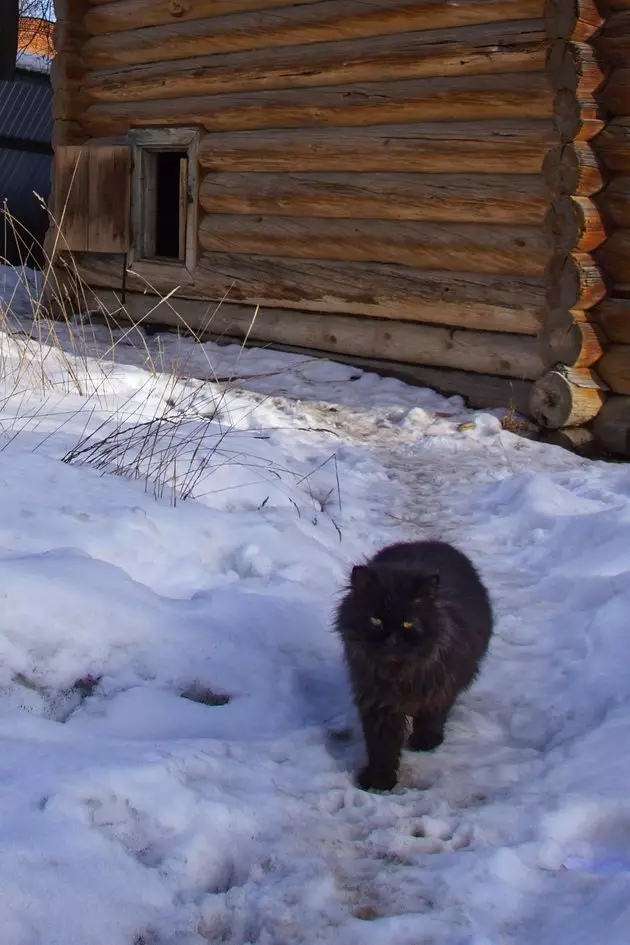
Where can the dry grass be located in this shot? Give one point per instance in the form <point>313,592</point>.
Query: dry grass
<point>174,432</point>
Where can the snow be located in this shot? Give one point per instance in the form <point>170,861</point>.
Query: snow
<point>134,812</point>
<point>32,62</point>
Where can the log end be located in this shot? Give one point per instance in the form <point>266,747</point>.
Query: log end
<point>575,343</point>
<point>566,398</point>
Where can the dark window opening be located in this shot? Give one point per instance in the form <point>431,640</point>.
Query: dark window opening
<point>171,204</point>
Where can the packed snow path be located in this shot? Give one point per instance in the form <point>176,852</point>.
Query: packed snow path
<point>134,816</point>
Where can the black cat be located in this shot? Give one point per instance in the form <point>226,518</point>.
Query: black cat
<point>415,624</point>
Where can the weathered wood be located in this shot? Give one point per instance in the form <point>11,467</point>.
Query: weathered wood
<point>146,142</point>
<point>68,35</point>
<point>67,133</point>
<point>613,145</point>
<point>475,98</point>
<point>449,247</point>
<point>574,281</point>
<point>612,425</point>
<point>87,218</point>
<point>613,317</point>
<point>579,344</point>
<point>69,105</point>
<point>327,21</point>
<point>479,390</point>
<point>71,197</point>
<point>574,224</point>
<point>577,119</point>
<point>566,397</point>
<point>66,71</point>
<point>108,199</point>
<point>482,352</point>
<point>462,198</point>
<point>614,368</point>
<point>615,96</point>
<point>110,17</point>
<point>457,299</point>
<point>575,439</point>
<point>614,202</point>
<point>614,255</point>
<point>576,20</point>
<point>575,67</point>
<point>612,43</point>
<point>517,47</point>
<point>440,147</point>
<point>573,168</point>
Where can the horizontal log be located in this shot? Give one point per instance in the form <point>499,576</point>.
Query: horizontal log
<point>613,145</point>
<point>614,368</point>
<point>516,47</point>
<point>573,168</point>
<point>482,352</point>
<point>110,17</point>
<point>579,344</point>
<point>574,281</point>
<point>566,397</point>
<point>488,303</point>
<point>575,67</point>
<point>475,98</point>
<point>459,198</point>
<point>614,255</point>
<point>613,317</point>
<point>612,426</point>
<point>434,148</point>
<point>327,21</point>
<point>615,96</point>
<point>577,119</point>
<point>612,43</point>
<point>574,224</point>
<point>113,16</point>
<point>576,20</point>
<point>496,250</point>
<point>479,390</point>
<point>614,202</point>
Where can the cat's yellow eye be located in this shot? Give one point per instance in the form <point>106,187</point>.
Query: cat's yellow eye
<point>376,621</point>
<point>407,624</point>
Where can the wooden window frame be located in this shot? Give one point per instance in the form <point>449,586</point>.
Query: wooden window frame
<point>144,142</point>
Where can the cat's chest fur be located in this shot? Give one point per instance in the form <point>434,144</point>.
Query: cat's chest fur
<point>396,679</point>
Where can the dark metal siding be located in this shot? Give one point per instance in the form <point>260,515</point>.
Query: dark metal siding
<point>25,164</point>
<point>26,108</point>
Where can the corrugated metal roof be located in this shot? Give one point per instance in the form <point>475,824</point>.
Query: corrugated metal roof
<point>26,108</point>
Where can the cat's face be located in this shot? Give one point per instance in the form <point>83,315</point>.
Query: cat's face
<point>394,606</point>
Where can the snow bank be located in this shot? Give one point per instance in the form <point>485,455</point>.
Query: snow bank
<point>177,738</point>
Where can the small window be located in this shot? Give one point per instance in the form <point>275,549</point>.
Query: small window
<point>164,196</point>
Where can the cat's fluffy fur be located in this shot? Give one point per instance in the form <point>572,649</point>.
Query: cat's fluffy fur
<point>415,623</point>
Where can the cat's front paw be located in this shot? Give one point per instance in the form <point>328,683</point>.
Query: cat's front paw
<point>370,780</point>
<point>425,740</point>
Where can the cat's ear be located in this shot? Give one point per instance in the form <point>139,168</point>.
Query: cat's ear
<point>362,577</point>
<point>428,587</point>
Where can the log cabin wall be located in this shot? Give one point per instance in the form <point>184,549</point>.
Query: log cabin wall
<point>585,339</point>
<point>612,315</point>
<point>370,170</point>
